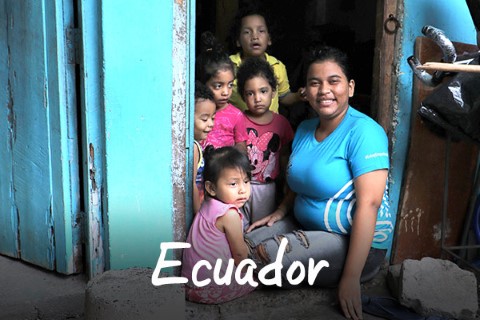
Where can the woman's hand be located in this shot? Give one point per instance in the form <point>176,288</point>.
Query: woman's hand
<point>349,297</point>
<point>268,220</point>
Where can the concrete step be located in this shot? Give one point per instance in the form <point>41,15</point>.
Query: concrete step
<point>129,294</point>
<point>31,293</point>
<point>272,303</point>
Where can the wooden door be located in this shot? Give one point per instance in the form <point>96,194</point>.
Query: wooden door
<point>384,74</point>
<point>421,205</point>
<point>39,180</point>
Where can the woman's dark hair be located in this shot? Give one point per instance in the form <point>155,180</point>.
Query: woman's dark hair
<point>324,53</point>
<point>212,58</point>
<point>255,67</point>
<point>219,159</point>
<point>202,92</point>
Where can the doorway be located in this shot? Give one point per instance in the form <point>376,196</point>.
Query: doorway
<point>295,27</point>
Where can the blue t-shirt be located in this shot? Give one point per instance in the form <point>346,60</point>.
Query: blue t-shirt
<point>322,174</point>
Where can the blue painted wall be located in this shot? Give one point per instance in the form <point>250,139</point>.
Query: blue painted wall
<point>137,84</point>
<point>453,17</point>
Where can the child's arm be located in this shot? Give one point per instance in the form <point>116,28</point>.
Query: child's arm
<point>240,133</point>
<point>242,146</point>
<point>293,97</point>
<point>231,224</point>
<point>196,195</point>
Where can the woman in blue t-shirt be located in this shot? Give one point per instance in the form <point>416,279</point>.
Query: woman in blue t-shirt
<point>337,175</point>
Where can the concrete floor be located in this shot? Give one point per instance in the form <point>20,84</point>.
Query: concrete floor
<point>31,293</point>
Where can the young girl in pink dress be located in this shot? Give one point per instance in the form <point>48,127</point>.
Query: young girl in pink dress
<point>217,231</point>
<point>215,69</point>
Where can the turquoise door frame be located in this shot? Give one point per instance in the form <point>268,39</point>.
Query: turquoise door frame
<point>92,135</point>
<point>136,82</point>
<point>39,168</point>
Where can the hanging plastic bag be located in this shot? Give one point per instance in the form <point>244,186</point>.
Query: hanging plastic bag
<point>457,102</point>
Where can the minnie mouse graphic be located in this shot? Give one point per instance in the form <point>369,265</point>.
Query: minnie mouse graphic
<point>262,154</point>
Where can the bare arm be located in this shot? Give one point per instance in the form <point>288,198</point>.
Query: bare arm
<point>196,195</point>
<point>231,224</point>
<point>293,97</point>
<point>242,146</point>
<point>278,214</point>
<point>369,189</point>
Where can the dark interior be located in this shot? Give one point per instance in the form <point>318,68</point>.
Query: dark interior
<point>296,26</point>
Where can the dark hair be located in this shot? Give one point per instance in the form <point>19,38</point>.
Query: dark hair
<point>202,92</point>
<point>251,9</point>
<point>212,58</point>
<point>324,53</point>
<point>219,159</point>
<point>255,67</point>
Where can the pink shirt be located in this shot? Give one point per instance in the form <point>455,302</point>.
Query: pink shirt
<point>264,145</point>
<point>228,128</point>
<point>208,243</point>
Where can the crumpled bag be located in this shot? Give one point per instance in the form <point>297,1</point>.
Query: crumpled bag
<point>456,102</point>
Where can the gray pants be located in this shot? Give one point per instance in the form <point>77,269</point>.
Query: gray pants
<point>261,203</point>
<point>303,245</point>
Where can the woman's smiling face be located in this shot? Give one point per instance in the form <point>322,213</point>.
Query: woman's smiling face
<point>328,89</point>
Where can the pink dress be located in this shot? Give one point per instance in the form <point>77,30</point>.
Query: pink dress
<point>209,243</point>
<point>228,128</point>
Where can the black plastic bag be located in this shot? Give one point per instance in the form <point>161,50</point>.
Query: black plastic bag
<point>457,102</point>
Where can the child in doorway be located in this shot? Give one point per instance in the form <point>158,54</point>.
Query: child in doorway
<point>214,68</point>
<point>269,136</point>
<point>203,124</point>
<point>250,33</point>
<point>216,232</point>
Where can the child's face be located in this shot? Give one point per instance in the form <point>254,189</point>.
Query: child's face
<point>258,95</point>
<point>254,37</point>
<point>232,187</point>
<point>203,119</point>
<point>221,85</point>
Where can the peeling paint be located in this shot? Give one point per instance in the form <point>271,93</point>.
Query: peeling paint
<point>91,151</point>
<point>11,117</point>
<point>51,234</point>
<point>45,93</point>
<point>179,119</point>
<point>95,219</point>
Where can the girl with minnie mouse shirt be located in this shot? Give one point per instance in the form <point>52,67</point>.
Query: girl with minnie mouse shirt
<point>269,135</point>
